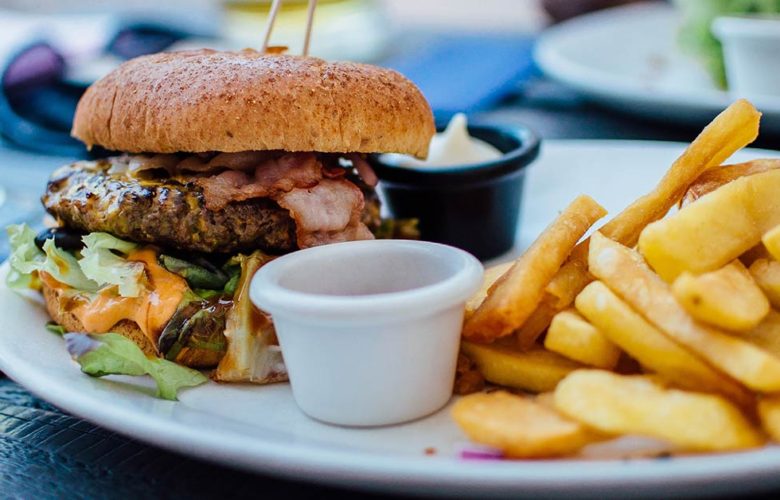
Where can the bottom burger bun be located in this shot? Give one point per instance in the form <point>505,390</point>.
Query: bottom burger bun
<point>56,305</point>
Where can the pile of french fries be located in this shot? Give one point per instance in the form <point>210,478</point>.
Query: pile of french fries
<point>658,325</point>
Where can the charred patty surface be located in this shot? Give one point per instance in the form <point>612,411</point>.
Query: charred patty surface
<point>164,211</point>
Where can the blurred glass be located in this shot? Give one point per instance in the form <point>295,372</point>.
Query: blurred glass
<point>491,17</point>
<point>343,29</point>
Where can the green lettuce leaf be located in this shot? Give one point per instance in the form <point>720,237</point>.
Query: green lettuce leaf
<point>205,279</point>
<point>64,267</point>
<point>25,257</point>
<point>232,284</point>
<point>202,275</point>
<point>170,377</point>
<point>55,328</point>
<point>113,354</point>
<point>100,263</point>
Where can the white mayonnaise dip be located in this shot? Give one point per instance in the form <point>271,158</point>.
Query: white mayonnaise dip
<point>450,148</point>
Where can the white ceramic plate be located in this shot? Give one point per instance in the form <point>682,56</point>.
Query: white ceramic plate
<point>260,428</point>
<point>628,58</point>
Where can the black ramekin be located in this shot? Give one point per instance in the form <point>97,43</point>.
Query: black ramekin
<point>474,207</point>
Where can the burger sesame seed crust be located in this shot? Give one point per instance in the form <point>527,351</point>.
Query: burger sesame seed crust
<point>205,100</point>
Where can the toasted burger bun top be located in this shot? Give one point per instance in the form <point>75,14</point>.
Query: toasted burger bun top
<point>205,100</point>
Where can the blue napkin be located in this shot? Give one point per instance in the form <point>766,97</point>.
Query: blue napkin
<point>458,73</point>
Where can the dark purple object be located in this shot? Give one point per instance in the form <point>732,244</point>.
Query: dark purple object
<point>79,344</point>
<point>139,39</point>
<point>38,64</point>
<point>475,452</point>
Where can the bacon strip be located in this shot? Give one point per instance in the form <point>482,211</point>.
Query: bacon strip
<point>269,179</point>
<point>326,207</point>
<point>193,164</point>
<point>326,213</point>
<point>364,170</point>
<point>245,160</point>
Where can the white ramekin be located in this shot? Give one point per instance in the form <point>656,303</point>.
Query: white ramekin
<point>751,51</point>
<point>369,330</point>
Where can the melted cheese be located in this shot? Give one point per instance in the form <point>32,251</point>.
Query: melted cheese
<point>150,311</point>
<point>166,291</point>
<point>100,314</point>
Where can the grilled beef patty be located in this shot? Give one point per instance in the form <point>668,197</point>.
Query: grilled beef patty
<point>168,212</point>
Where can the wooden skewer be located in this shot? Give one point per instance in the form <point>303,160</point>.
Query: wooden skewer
<point>269,26</point>
<point>309,23</point>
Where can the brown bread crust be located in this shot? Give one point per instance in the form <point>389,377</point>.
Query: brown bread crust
<point>56,306</point>
<point>205,100</point>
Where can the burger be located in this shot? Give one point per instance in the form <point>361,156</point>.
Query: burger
<point>223,161</point>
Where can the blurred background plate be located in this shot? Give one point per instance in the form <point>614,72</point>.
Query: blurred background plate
<point>629,59</point>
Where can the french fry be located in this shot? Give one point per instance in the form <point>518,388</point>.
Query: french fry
<point>546,399</point>
<point>492,274</point>
<point>734,128</point>
<point>769,413</point>
<point>535,325</point>
<point>716,177</point>
<point>767,334</point>
<point>771,241</point>
<point>718,228</point>
<point>534,371</point>
<point>558,295</point>
<point>571,335</point>
<point>512,299</point>
<point>520,426</point>
<point>730,131</point>
<point>619,404</point>
<point>572,278</point>
<point>757,252</point>
<point>726,298</point>
<point>679,324</point>
<point>767,275</point>
<point>624,272</point>
<point>653,349</point>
